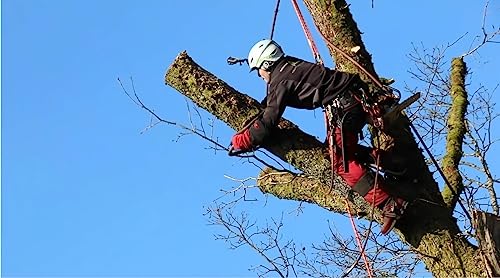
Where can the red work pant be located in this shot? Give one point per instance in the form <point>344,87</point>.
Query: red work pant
<point>356,169</point>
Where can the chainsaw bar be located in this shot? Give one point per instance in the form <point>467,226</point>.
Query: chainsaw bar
<point>395,110</point>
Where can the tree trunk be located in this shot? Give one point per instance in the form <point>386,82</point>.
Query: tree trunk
<point>487,227</point>
<point>428,226</point>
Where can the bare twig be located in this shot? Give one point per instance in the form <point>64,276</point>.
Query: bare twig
<point>190,130</point>
<point>280,257</point>
<point>487,37</point>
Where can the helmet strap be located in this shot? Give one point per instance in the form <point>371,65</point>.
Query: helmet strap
<point>267,65</point>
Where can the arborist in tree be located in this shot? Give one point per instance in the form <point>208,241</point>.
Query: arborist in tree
<point>299,84</point>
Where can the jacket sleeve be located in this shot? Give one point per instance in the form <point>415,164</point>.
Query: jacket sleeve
<point>275,106</point>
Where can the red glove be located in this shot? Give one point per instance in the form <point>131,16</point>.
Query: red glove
<point>241,141</point>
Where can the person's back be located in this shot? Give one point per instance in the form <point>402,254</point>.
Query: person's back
<point>306,85</point>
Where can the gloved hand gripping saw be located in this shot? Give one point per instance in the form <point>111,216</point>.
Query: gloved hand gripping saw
<point>248,123</point>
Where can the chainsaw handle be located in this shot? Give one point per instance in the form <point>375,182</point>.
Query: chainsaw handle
<point>248,123</point>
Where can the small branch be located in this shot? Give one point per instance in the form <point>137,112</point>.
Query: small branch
<point>191,130</point>
<point>486,37</point>
<point>265,241</point>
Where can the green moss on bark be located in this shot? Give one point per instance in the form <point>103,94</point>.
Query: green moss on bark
<point>335,21</point>
<point>447,255</point>
<point>456,133</point>
<point>209,92</point>
<point>285,185</point>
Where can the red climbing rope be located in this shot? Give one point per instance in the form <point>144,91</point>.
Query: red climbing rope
<point>358,240</point>
<point>309,37</point>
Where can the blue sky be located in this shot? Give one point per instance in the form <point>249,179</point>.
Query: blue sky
<point>84,193</point>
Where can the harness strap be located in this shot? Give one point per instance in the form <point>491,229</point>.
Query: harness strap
<point>336,113</point>
<point>345,159</point>
<point>365,184</point>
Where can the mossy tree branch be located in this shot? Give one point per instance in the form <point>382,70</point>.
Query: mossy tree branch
<point>308,189</point>
<point>456,133</point>
<point>335,21</point>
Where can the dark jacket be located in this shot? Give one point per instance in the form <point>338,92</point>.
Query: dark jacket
<point>298,84</point>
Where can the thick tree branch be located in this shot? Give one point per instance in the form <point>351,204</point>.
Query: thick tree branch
<point>335,21</point>
<point>307,189</point>
<point>456,133</point>
<point>234,108</point>
<point>488,233</point>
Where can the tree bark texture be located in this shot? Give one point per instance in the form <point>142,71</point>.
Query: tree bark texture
<point>428,226</point>
<point>488,234</point>
<point>334,20</point>
<point>456,133</point>
<point>312,190</point>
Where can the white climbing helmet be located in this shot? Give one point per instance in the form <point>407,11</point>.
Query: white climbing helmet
<point>262,51</point>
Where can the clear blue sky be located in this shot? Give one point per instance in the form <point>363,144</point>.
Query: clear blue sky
<point>85,194</point>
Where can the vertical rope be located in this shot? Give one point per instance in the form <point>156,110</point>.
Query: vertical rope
<point>307,32</point>
<point>358,240</point>
<point>274,18</point>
